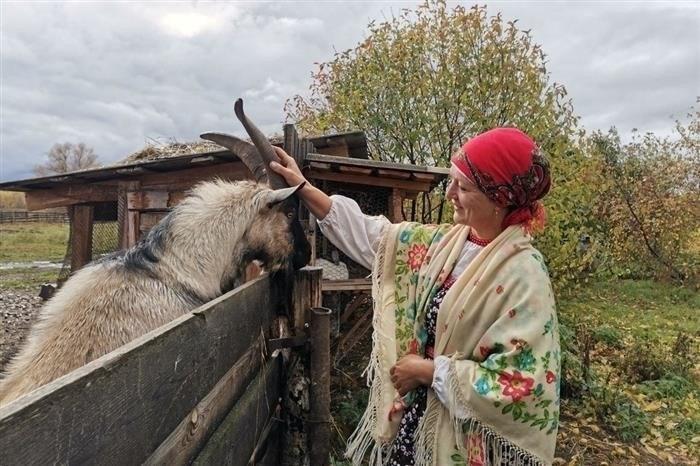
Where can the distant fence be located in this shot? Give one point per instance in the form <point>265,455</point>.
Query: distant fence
<point>22,216</point>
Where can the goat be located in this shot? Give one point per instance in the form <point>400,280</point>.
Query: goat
<point>194,254</point>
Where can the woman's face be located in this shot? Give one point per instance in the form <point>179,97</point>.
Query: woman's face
<point>471,206</point>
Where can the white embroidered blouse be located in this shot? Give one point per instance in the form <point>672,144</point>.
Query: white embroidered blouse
<point>356,235</point>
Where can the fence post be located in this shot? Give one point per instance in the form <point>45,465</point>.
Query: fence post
<point>320,401</point>
<point>80,236</point>
<point>306,294</point>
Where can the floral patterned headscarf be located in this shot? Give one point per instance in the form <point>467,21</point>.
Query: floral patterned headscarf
<point>510,169</point>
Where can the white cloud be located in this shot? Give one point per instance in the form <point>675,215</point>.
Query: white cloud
<point>114,74</point>
<point>189,24</point>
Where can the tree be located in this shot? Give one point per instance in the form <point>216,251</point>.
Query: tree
<point>67,157</point>
<point>650,193</point>
<point>422,83</point>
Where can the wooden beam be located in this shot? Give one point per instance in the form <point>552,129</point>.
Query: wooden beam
<point>119,408</point>
<point>367,180</point>
<point>80,236</point>
<point>354,170</point>
<point>352,284</point>
<point>396,205</point>
<point>183,179</point>
<point>395,174</point>
<point>429,177</point>
<point>305,295</point>
<point>129,221</point>
<point>69,195</point>
<point>319,166</point>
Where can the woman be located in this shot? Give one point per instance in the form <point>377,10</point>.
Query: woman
<point>464,367</point>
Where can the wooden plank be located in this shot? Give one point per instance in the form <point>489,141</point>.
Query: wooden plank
<point>69,195</point>
<point>149,219</point>
<point>235,439</point>
<point>355,170</point>
<point>129,220</point>
<point>305,295</point>
<point>120,407</point>
<point>190,176</point>
<point>401,175</point>
<point>319,166</point>
<point>366,180</point>
<point>147,200</point>
<point>183,444</point>
<point>351,284</point>
<point>396,205</point>
<point>175,198</point>
<point>429,177</point>
<point>80,236</point>
<point>438,172</point>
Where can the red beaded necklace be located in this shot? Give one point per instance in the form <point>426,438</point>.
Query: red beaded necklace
<point>476,240</point>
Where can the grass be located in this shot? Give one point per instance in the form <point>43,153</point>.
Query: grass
<point>647,342</point>
<point>635,308</point>
<point>27,279</point>
<point>25,242</point>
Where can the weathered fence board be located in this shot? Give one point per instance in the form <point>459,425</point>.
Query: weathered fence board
<point>118,409</point>
<point>183,444</point>
<point>239,433</point>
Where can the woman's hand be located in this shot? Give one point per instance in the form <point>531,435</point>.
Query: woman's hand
<point>410,372</point>
<point>287,168</point>
<point>318,203</point>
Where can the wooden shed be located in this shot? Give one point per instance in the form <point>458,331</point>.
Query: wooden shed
<point>131,198</point>
<point>209,387</point>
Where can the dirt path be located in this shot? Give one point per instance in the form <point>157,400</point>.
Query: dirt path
<point>18,310</point>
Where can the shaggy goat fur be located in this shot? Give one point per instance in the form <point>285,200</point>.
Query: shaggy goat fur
<point>196,253</point>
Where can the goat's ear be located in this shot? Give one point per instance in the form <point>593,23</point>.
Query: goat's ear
<point>279,195</point>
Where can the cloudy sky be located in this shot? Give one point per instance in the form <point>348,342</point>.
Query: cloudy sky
<point>116,75</point>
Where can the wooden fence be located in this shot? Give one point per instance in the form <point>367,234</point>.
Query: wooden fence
<point>201,389</point>
<point>23,216</point>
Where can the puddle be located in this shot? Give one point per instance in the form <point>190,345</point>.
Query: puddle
<point>30,265</point>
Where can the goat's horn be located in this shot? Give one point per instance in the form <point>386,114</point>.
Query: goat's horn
<point>243,150</point>
<point>267,152</point>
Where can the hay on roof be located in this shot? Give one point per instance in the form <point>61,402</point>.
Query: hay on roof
<point>155,150</point>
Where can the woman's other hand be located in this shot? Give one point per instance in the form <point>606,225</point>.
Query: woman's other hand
<point>410,372</point>
<point>287,168</point>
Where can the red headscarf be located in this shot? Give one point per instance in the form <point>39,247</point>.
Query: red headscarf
<point>510,169</point>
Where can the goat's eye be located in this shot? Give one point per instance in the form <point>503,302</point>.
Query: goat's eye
<point>290,215</point>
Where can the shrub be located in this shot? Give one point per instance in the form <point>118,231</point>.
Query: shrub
<point>647,359</point>
<point>617,412</point>
<point>609,336</point>
<point>667,387</point>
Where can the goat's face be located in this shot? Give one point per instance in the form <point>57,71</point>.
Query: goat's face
<point>275,236</point>
<point>281,206</point>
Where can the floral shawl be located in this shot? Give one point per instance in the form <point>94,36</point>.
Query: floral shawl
<point>498,326</point>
